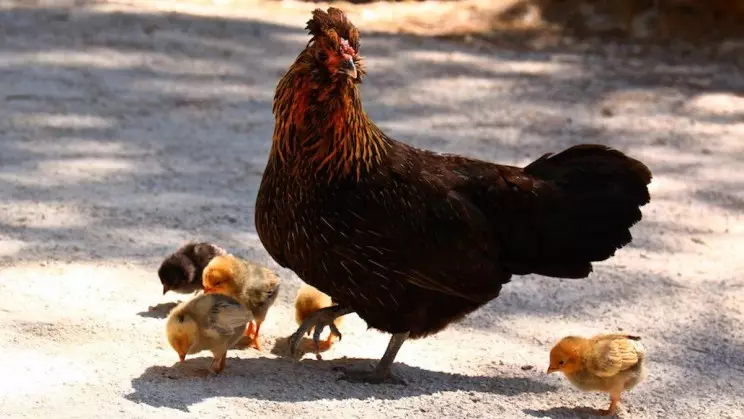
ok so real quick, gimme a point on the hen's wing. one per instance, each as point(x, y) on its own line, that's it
point(612, 354)
point(406, 223)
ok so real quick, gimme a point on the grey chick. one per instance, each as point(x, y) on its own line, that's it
point(181, 271)
point(213, 322)
point(255, 286)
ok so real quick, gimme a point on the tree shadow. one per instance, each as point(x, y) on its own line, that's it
point(185, 159)
point(285, 380)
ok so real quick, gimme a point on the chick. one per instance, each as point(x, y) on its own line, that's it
point(606, 363)
point(181, 271)
point(309, 299)
point(254, 286)
point(207, 322)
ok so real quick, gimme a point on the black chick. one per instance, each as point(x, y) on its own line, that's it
point(181, 271)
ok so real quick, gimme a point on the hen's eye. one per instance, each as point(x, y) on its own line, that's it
point(322, 55)
point(561, 363)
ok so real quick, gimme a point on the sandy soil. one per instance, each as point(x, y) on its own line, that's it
point(126, 131)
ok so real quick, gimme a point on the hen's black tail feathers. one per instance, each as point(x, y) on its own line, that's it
point(590, 198)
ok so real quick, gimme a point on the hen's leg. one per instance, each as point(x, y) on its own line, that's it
point(614, 400)
point(318, 320)
point(382, 372)
point(254, 342)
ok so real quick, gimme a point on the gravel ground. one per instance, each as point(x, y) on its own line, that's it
point(126, 131)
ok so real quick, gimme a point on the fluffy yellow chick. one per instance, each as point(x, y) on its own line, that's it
point(309, 299)
point(254, 286)
point(208, 322)
point(606, 363)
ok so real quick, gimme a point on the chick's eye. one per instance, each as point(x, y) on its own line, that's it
point(322, 56)
point(561, 363)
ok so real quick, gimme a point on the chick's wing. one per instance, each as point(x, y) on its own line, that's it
point(226, 316)
point(612, 355)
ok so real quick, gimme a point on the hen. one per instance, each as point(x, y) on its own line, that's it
point(413, 240)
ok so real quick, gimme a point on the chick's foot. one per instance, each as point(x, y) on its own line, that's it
point(254, 342)
point(614, 400)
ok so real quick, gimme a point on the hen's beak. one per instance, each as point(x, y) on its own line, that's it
point(552, 370)
point(347, 67)
point(165, 289)
point(182, 356)
point(208, 290)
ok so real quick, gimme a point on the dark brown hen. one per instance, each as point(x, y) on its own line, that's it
point(408, 239)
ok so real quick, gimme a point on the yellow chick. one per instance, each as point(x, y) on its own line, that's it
point(606, 363)
point(208, 322)
point(254, 286)
point(309, 299)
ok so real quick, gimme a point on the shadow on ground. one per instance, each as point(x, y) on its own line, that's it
point(158, 311)
point(276, 380)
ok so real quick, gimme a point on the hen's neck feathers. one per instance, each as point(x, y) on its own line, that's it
point(320, 124)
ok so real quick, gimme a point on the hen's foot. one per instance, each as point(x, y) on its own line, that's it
point(318, 320)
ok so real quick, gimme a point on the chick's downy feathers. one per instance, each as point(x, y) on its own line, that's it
point(181, 271)
point(253, 285)
point(207, 322)
point(611, 363)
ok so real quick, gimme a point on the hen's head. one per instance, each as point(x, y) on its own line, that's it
point(332, 55)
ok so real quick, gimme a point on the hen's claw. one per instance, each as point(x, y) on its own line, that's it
point(319, 330)
point(318, 320)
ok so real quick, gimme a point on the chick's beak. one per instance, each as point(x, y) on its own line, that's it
point(182, 356)
point(552, 369)
point(348, 67)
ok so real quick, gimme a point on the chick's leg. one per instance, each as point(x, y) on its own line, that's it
point(318, 320)
point(383, 371)
point(254, 341)
point(250, 329)
point(218, 363)
point(614, 400)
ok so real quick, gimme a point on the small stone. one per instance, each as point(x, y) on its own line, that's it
point(527, 367)
point(607, 112)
